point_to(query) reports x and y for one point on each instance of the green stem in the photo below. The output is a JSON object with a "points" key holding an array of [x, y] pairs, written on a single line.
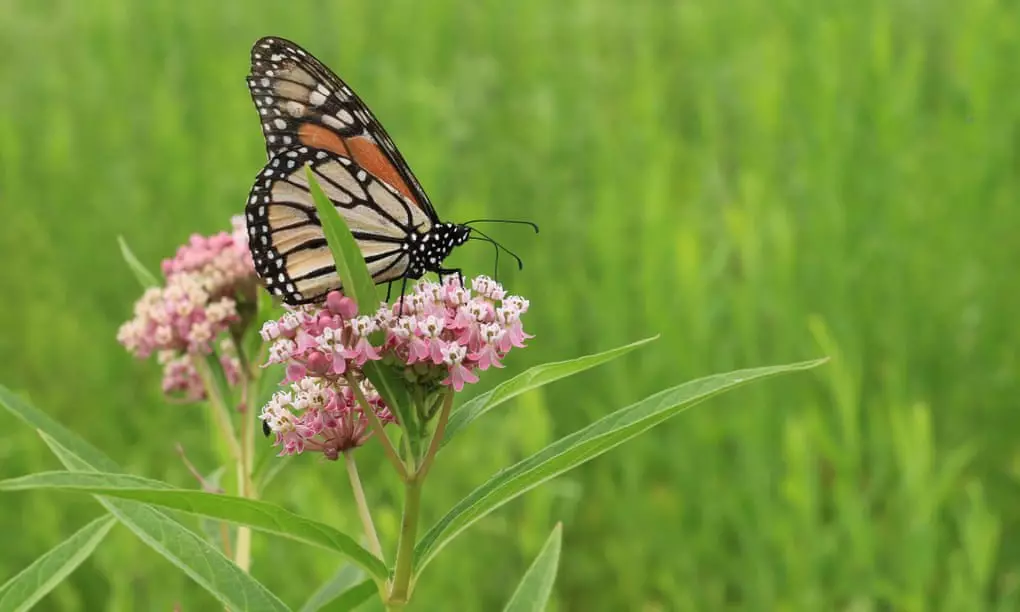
{"points": [[218, 403], [245, 464], [401, 586], [403, 573], [437, 437], [377, 427], [363, 511]]}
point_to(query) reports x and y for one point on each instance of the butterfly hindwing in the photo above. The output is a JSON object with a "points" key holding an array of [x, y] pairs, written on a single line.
{"points": [[302, 102], [286, 238]]}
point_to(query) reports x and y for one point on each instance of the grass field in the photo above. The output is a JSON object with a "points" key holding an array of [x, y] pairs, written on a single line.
{"points": [[756, 182]]}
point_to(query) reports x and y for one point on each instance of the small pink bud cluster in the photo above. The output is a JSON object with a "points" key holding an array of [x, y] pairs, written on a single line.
{"points": [[181, 379], [197, 304], [439, 334]]}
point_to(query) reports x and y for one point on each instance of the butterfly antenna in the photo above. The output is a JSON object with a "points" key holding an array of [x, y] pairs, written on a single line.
{"points": [[520, 264], [495, 266], [507, 221]]}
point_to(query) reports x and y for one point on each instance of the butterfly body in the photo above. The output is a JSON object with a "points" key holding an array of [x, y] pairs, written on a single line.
{"points": [[311, 118]]}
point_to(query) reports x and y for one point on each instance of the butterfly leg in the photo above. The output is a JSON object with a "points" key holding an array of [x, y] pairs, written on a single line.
{"points": [[403, 287], [457, 271], [389, 291]]}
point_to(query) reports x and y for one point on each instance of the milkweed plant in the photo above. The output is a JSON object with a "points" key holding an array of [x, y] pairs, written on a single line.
{"points": [[323, 380]]}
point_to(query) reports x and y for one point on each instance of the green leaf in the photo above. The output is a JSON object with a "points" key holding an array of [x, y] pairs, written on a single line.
{"points": [[354, 597], [346, 586], [531, 379], [577, 448], [184, 548], [394, 392], [35, 581], [532, 594], [38, 419], [145, 278], [260, 515], [276, 465], [350, 263]]}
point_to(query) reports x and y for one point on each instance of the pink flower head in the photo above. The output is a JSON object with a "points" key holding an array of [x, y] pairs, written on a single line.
{"points": [[439, 333], [193, 310]]}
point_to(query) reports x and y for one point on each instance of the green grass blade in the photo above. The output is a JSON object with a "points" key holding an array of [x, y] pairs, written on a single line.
{"points": [[260, 515], [347, 580], [532, 594], [187, 550], [350, 264], [145, 278], [33, 583], [531, 379], [581, 446]]}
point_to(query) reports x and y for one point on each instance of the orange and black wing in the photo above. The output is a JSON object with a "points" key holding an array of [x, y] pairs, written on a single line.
{"points": [[302, 102], [286, 238]]}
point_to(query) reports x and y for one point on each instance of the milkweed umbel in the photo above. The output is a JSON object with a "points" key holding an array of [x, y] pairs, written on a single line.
{"points": [[311, 117]]}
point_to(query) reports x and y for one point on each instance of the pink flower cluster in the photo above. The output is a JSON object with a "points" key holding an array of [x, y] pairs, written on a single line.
{"points": [[197, 304], [439, 333]]}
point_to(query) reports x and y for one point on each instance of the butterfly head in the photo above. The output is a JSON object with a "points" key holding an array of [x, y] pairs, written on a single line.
{"points": [[429, 249]]}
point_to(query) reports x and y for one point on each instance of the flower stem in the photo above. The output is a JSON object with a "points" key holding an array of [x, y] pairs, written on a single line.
{"points": [[366, 515], [218, 403], [377, 427], [400, 590], [401, 586], [437, 437], [246, 462]]}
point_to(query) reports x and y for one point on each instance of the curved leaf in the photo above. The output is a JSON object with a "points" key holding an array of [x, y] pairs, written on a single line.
{"points": [[577, 448], [35, 581], [182, 547], [38, 419], [344, 591], [145, 278], [530, 379], [185, 549], [259, 515], [350, 263], [532, 594]]}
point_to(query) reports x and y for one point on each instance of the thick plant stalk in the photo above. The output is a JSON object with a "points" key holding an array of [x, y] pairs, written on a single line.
{"points": [[400, 590]]}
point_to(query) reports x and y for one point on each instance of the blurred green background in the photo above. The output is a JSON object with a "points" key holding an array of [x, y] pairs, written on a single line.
{"points": [[757, 182]]}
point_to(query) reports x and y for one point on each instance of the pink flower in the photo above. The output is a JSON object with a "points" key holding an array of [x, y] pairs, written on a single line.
{"points": [[438, 334], [195, 308], [453, 357]]}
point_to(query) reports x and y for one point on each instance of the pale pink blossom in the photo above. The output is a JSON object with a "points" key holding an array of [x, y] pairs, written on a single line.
{"points": [[186, 317], [439, 333]]}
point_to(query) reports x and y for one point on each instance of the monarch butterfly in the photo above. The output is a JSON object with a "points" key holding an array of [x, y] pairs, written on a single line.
{"points": [[311, 117]]}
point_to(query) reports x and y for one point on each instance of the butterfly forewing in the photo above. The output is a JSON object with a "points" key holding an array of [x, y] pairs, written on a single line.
{"points": [[286, 238], [302, 102]]}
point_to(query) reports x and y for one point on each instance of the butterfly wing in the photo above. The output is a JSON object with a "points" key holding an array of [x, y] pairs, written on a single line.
{"points": [[302, 102], [286, 238]]}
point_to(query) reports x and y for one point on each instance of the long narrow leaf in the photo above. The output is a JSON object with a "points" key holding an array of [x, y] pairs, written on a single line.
{"points": [[531, 379], [35, 581], [353, 597], [581, 446], [260, 515], [38, 419], [182, 547], [532, 594], [348, 578], [185, 549], [350, 264], [145, 278], [358, 284]]}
